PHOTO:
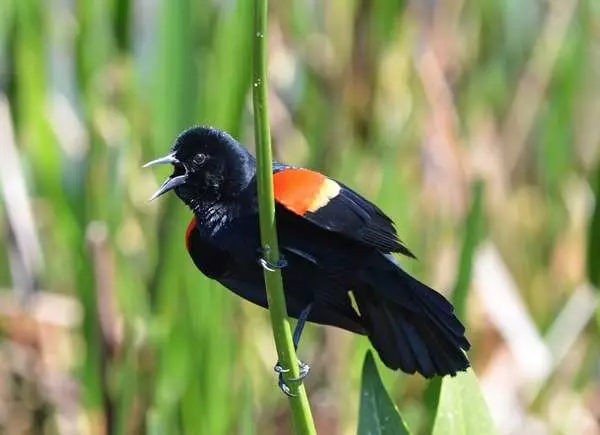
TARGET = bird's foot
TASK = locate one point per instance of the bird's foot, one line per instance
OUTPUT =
(303, 369)
(270, 266)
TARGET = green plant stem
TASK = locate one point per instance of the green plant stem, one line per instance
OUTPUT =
(302, 417)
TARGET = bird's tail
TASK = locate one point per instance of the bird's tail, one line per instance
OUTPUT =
(412, 327)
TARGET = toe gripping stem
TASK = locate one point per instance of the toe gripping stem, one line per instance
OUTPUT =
(280, 370)
(271, 267)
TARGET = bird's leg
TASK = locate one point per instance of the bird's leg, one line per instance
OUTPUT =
(302, 366)
(267, 265)
(300, 325)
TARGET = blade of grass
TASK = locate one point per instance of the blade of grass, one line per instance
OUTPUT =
(472, 235)
(593, 257)
(172, 104)
(301, 413)
(121, 13)
(228, 69)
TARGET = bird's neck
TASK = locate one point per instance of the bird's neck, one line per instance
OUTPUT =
(235, 197)
(240, 174)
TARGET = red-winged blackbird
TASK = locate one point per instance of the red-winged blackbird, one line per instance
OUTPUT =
(333, 241)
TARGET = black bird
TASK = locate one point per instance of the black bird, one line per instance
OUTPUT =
(334, 242)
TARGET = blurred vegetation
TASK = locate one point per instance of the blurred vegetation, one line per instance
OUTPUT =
(106, 325)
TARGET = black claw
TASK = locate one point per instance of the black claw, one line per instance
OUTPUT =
(304, 369)
(283, 387)
(267, 265)
(272, 267)
(279, 368)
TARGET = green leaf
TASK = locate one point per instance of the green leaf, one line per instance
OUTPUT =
(461, 408)
(378, 414)
(594, 237)
(431, 399)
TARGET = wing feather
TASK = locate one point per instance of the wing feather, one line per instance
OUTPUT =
(340, 209)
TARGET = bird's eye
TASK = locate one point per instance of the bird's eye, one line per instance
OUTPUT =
(199, 159)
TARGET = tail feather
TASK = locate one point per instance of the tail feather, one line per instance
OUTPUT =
(407, 336)
(412, 327)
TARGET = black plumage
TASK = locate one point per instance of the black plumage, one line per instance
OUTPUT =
(343, 245)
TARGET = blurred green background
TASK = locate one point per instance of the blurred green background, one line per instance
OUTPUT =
(474, 124)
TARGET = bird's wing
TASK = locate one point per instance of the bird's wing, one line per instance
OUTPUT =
(335, 207)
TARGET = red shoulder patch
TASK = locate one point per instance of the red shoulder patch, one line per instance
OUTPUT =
(188, 232)
(303, 190)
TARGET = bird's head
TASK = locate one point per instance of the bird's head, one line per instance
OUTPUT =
(208, 166)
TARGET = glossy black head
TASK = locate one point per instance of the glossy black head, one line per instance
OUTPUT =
(209, 166)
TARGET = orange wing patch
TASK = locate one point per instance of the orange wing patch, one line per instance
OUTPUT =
(188, 232)
(302, 190)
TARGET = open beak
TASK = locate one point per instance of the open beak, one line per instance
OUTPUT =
(171, 182)
(170, 158)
